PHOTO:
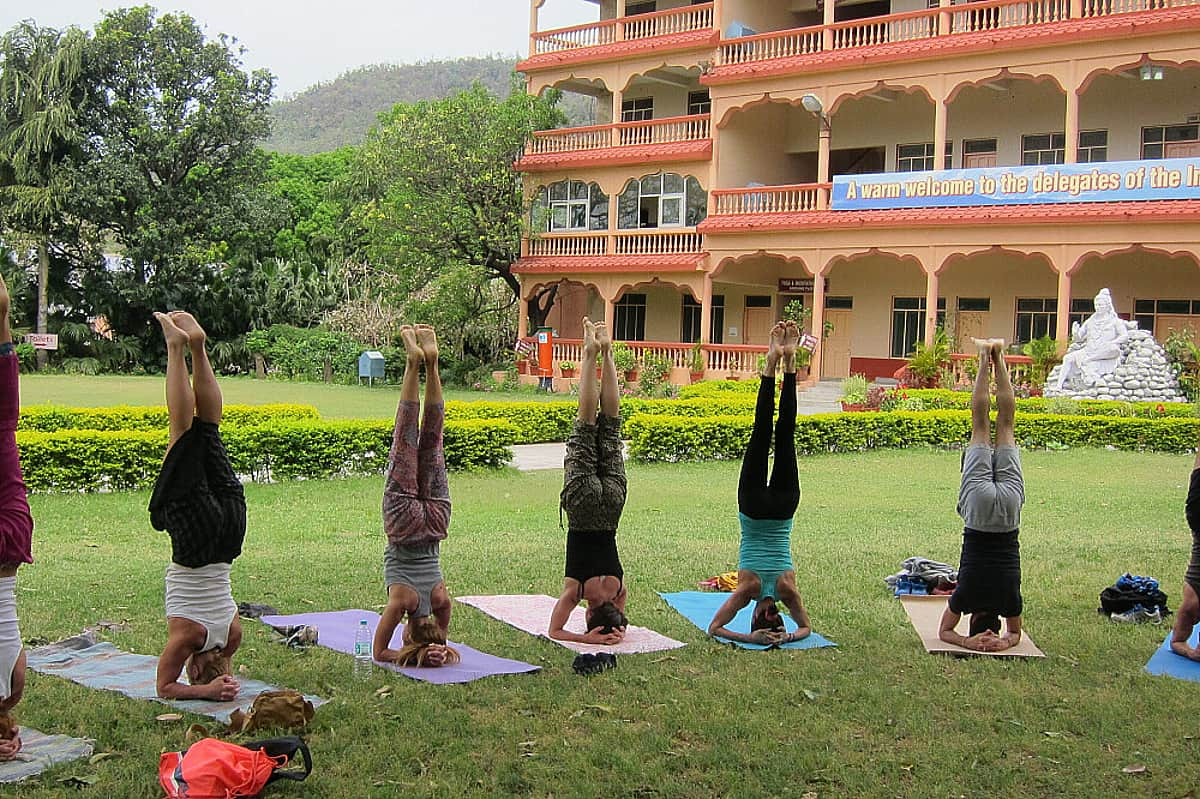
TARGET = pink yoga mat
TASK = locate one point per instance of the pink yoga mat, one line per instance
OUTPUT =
(531, 613)
(336, 628)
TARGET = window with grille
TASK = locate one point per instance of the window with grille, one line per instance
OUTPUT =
(1093, 146)
(1043, 148)
(664, 199)
(629, 318)
(691, 320)
(908, 323)
(570, 205)
(639, 110)
(1157, 142)
(1036, 317)
(699, 103)
(919, 157)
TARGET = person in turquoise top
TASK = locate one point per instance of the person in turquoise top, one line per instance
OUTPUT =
(766, 508)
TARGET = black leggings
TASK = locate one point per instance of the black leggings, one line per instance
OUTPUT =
(779, 498)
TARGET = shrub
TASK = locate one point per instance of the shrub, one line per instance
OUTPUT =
(941, 399)
(673, 438)
(854, 389)
(532, 422)
(99, 460)
(301, 353)
(652, 381)
(50, 418)
(719, 388)
(624, 359)
(1044, 354)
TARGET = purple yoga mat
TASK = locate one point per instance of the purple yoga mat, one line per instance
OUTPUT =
(336, 628)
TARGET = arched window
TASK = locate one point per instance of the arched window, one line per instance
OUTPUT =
(569, 205)
(664, 199)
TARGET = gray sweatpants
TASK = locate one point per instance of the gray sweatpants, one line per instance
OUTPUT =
(992, 490)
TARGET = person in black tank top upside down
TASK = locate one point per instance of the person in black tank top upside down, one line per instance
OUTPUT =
(989, 502)
(593, 497)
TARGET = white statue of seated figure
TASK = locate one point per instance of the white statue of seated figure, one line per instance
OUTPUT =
(1096, 344)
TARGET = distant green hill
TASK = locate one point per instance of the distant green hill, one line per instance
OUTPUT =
(340, 112)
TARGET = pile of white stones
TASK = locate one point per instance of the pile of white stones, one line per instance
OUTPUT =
(1143, 374)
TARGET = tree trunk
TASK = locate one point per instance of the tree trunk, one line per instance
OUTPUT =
(43, 249)
(540, 305)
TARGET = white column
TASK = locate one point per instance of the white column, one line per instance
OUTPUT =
(939, 133)
(706, 311)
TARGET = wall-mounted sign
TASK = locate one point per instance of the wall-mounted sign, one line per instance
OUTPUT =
(795, 285)
(42, 341)
(1160, 179)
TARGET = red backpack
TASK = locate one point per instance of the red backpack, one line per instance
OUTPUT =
(214, 769)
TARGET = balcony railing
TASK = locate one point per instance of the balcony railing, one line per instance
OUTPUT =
(641, 26)
(622, 242)
(973, 17)
(720, 359)
(622, 134)
(791, 199)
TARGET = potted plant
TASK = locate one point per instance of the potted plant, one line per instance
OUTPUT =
(1043, 352)
(626, 361)
(803, 359)
(854, 393)
(566, 368)
(927, 363)
(697, 363)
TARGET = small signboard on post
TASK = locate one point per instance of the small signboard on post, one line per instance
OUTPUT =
(42, 341)
(809, 342)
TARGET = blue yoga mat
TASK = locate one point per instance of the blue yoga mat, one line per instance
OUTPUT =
(699, 607)
(1164, 661)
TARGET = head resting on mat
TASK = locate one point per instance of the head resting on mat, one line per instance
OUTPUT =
(419, 635)
(204, 667)
(766, 616)
(607, 616)
(7, 725)
(984, 620)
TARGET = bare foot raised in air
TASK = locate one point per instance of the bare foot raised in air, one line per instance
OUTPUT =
(172, 334)
(997, 348)
(982, 344)
(590, 345)
(427, 338)
(774, 349)
(791, 339)
(603, 337)
(411, 348)
(188, 324)
(4, 299)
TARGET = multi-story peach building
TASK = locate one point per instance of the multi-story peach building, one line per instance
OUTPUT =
(708, 198)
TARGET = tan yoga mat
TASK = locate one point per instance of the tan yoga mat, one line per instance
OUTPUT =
(925, 613)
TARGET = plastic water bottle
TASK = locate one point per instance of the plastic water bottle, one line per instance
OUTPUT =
(362, 652)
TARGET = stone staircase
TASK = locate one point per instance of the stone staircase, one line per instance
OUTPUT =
(823, 397)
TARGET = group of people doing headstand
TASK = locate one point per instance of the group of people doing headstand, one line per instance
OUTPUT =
(198, 500)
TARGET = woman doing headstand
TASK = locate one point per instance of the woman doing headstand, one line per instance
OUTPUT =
(416, 516)
(989, 502)
(593, 497)
(16, 532)
(766, 508)
(199, 501)
(1188, 614)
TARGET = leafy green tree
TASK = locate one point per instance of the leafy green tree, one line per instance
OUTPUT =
(434, 196)
(313, 229)
(42, 86)
(173, 172)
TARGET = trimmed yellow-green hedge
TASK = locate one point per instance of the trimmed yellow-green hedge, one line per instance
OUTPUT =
(106, 460)
(719, 388)
(673, 439)
(50, 418)
(944, 399)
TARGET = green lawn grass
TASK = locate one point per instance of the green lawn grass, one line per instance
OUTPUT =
(875, 717)
(333, 401)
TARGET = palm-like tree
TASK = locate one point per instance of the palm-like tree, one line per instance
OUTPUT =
(41, 90)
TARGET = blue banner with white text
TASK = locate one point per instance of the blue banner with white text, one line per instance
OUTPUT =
(1115, 181)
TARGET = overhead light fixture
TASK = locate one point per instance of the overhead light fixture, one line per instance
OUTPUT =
(813, 104)
(1147, 72)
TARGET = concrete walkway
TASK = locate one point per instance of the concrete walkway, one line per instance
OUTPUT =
(537, 457)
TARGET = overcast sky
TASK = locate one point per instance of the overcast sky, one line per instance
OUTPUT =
(307, 41)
